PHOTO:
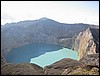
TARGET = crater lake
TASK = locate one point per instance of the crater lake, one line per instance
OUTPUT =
(40, 54)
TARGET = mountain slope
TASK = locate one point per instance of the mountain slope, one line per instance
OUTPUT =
(43, 30)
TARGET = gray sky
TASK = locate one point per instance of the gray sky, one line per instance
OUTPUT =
(61, 11)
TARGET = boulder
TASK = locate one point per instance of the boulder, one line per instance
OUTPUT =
(82, 70)
(92, 59)
(58, 67)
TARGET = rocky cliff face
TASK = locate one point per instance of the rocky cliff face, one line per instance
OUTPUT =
(89, 42)
(76, 42)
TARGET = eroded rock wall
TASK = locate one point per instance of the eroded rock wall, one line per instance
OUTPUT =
(88, 43)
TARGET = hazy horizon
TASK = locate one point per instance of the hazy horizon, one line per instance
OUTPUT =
(48, 18)
(70, 12)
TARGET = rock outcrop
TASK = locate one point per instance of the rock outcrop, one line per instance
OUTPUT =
(89, 43)
(59, 67)
(21, 69)
(91, 59)
(90, 66)
(69, 66)
(76, 42)
(82, 70)
(3, 60)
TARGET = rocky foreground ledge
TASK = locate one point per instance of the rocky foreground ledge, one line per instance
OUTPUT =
(89, 65)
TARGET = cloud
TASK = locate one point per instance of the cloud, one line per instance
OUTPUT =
(61, 11)
(5, 18)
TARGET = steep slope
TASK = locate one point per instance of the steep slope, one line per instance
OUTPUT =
(89, 42)
(3, 60)
(76, 42)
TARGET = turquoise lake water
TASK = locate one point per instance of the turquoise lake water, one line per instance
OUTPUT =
(40, 54)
